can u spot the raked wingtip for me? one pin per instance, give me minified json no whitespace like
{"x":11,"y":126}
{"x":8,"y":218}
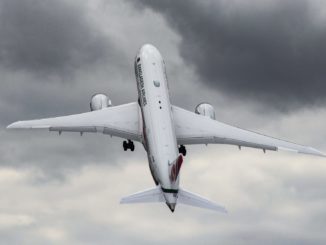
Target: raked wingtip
{"x":317,"y":152}
{"x":322,"y":154}
{"x":10,"y":126}
{"x":225,"y":211}
{"x":220,"y":209}
{"x":13,"y":125}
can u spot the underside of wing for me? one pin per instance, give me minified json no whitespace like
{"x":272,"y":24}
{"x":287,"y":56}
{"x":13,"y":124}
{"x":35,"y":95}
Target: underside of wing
{"x":149,"y":195}
{"x":121,"y":121}
{"x":192,"y":128}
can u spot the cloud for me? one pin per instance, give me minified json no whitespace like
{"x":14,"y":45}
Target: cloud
{"x":271,"y":52}
{"x":264,"y":203}
{"x":28,"y":93}
{"x":13,"y":220}
{"x":45,"y":36}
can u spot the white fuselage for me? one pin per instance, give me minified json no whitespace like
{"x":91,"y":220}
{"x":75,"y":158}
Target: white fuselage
{"x":158,"y":128}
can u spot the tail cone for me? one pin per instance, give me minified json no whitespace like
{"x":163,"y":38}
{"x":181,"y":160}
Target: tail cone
{"x":171,"y":206}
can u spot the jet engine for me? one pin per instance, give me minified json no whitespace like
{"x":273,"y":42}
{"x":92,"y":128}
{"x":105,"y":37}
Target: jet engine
{"x":99,"y":102}
{"x":206,"y":110}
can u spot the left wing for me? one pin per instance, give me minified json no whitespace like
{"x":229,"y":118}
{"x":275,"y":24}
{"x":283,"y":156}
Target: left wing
{"x":121,"y":121}
{"x":192,"y":128}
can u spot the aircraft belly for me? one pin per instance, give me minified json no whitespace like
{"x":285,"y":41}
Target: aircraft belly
{"x":159,"y":130}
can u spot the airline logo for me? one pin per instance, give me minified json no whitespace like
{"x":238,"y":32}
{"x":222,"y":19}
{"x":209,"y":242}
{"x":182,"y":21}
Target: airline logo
{"x":175,"y":168}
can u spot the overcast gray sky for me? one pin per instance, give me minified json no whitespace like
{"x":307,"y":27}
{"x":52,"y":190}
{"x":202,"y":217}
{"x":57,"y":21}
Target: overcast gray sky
{"x":260,"y":63}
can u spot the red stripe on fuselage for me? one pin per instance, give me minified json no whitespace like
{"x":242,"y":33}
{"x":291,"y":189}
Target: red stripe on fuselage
{"x":175,"y":169}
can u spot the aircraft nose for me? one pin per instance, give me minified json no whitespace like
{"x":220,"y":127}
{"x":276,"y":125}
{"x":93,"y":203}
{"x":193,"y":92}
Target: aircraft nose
{"x":149,"y":50}
{"x":148,"y":46}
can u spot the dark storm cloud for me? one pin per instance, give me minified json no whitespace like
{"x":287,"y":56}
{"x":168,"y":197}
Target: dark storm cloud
{"x":47,"y":36}
{"x":53,"y":57}
{"x":270,"y":51}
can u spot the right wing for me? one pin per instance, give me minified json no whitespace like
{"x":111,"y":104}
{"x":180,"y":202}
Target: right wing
{"x":191,"y":128}
{"x":121,"y":121}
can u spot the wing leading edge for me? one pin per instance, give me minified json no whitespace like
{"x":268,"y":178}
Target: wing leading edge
{"x":192,"y":128}
{"x":121,"y":121}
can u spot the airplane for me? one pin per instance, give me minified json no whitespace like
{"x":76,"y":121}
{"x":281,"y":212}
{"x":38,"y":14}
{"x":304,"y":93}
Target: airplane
{"x":163,"y":129}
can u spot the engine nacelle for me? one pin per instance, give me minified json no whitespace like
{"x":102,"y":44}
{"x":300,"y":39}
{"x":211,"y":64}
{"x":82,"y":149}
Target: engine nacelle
{"x":206,"y":110}
{"x":99,"y":102}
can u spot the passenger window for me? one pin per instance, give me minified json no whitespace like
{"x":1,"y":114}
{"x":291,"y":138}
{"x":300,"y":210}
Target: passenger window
{"x":156,"y":83}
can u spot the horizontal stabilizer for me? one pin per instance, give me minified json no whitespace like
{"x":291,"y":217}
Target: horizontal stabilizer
{"x":151,"y":195}
{"x":191,"y":199}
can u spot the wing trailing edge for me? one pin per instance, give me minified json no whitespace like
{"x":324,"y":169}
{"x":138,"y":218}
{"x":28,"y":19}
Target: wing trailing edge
{"x":191,"y":128}
{"x":147,"y":196}
{"x":192,"y":199}
{"x":121,"y":121}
